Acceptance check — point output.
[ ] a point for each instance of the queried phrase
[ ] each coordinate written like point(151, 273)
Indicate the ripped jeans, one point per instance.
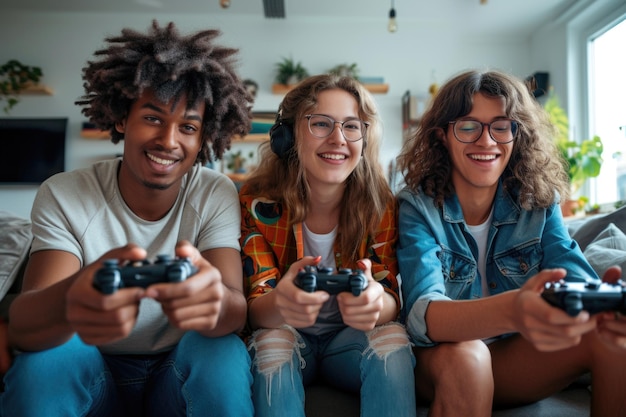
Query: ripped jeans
point(378, 364)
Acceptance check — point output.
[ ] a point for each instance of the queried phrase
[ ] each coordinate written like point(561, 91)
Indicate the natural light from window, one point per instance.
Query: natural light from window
point(607, 112)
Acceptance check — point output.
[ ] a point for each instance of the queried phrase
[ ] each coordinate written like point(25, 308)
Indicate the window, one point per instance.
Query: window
point(607, 112)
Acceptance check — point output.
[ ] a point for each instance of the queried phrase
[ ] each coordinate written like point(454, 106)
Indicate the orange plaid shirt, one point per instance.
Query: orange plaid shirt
point(268, 247)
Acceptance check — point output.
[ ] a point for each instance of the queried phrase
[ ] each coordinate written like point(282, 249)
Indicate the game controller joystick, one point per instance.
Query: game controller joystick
point(314, 279)
point(591, 296)
point(165, 268)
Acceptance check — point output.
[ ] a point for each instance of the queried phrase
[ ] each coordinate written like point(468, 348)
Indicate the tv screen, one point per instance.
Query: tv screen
point(32, 149)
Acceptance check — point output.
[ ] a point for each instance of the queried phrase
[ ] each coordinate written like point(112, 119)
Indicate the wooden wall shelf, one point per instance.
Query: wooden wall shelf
point(252, 137)
point(38, 89)
point(372, 88)
point(95, 134)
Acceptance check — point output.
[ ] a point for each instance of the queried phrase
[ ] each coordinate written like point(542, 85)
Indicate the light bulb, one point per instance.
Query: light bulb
point(392, 26)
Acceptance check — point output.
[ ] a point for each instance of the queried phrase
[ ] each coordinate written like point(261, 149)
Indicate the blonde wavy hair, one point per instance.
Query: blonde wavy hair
point(535, 171)
point(367, 193)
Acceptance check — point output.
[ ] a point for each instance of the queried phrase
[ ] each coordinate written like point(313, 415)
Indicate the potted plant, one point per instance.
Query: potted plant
point(346, 70)
point(583, 160)
point(14, 78)
point(236, 161)
point(289, 72)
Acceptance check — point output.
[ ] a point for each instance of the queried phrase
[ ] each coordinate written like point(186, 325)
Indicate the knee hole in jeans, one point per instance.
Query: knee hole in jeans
point(388, 338)
point(273, 348)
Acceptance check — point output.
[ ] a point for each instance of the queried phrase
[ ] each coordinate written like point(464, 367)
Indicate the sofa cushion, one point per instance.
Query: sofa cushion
point(585, 230)
point(607, 249)
point(15, 240)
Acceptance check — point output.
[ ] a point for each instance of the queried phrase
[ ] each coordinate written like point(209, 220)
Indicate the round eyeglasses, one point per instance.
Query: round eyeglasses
point(322, 126)
point(469, 130)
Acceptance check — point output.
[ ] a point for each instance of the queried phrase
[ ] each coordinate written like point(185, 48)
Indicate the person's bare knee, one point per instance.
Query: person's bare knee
point(273, 348)
point(470, 358)
point(455, 376)
point(386, 339)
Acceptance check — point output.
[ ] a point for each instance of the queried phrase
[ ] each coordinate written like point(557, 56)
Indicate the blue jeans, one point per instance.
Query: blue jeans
point(377, 364)
point(201, 376)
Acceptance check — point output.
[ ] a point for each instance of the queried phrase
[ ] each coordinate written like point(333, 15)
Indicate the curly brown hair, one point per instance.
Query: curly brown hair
point(172, 66)
point(367, 193)
point(536, 168)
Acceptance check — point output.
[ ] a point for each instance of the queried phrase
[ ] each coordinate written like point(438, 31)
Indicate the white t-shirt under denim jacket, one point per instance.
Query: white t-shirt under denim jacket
point(82, 212)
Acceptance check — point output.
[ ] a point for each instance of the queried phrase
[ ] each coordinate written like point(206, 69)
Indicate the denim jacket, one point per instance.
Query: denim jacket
point(437, 255)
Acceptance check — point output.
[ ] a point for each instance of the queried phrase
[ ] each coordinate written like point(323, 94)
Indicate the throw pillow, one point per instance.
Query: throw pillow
point(15, 240)
point(607, 249)
point(590, 228)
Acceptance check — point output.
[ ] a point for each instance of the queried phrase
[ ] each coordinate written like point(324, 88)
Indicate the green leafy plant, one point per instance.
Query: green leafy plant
point(236, 161)
point(346, 70)
point(583, 159)
point(290, 72)
point(14, 78)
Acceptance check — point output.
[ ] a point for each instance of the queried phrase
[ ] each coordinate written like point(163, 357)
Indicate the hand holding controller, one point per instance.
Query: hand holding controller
point(313, 279)
point(591, 296)
point(165, 268)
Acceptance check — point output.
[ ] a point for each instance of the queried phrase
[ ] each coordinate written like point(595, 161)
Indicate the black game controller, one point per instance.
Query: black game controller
point(165, 268)
point(591, 296)
point(314, 278)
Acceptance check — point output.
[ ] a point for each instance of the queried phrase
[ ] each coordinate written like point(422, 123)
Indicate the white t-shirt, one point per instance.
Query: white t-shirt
point(480, 233)
point(329, 317)
point(82, 212)
point(316, 244)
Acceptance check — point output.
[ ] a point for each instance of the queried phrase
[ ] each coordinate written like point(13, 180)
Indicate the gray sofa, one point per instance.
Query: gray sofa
point(601, 237)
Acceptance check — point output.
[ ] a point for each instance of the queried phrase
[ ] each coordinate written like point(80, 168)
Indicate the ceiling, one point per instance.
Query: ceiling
point(519, 17)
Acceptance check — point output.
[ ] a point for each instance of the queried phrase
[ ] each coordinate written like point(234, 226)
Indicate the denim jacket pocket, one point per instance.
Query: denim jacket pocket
point(520, 263)
point(459, 272)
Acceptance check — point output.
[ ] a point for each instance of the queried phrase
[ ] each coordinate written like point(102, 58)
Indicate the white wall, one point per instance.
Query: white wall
point(61, 43)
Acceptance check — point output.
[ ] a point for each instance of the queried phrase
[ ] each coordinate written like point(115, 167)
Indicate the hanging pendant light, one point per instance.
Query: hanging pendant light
point(392, 26)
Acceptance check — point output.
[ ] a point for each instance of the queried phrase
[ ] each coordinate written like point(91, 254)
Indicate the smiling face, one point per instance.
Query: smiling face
point(329, 161)
point(476, 167)
point(161, 143)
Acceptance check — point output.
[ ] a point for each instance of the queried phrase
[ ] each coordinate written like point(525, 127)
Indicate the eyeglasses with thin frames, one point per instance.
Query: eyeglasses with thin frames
point(469, 130)
point(322, 127)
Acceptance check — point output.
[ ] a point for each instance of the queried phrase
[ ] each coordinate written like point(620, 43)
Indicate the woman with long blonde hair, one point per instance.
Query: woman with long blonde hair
point(319, 198)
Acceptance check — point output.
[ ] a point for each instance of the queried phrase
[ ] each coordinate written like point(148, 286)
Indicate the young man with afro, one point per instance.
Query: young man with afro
point(170, 349)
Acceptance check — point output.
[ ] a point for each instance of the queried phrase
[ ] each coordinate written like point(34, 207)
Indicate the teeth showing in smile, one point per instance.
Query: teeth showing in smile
point(332, 156)
point(159, 160)
point(483, 157)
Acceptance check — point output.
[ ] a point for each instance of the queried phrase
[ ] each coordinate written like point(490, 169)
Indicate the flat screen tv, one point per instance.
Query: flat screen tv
point(32, 149)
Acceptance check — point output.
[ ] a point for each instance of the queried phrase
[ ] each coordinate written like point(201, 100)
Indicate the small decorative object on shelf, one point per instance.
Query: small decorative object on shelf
point(17, 78)
point(90, 131)
point(251, 86)
point(236, 162)
point(346, 70)
point(289, 72)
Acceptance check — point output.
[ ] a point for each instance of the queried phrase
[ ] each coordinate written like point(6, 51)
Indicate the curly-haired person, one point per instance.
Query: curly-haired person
point(171, 348)
point(480, 234)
